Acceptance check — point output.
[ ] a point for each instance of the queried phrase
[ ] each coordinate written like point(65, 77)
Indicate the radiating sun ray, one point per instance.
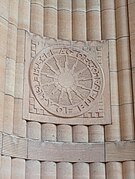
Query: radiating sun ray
point(84, 79)
point(81, 71)
point(66, 63)
point(52, 69)
point(57, 64)
point(77, 93)
point(74, 66)
point(60, 96)
point(83, 87)
point(47, 75)
point(54, 90)
point(48, 84)
point(69, 96)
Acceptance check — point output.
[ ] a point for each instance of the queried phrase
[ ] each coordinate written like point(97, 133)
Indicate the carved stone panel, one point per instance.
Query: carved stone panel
point(67, 82)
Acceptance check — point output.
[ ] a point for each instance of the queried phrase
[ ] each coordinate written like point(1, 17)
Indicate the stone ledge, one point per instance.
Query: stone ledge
point(120, 151)
point(11, 145)
point(69, 152)
point(14, 146)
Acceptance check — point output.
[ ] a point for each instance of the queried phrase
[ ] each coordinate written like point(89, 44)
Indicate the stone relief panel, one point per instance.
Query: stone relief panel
point(67, 82)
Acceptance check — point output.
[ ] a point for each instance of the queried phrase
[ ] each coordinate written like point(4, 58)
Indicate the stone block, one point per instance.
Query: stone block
point(79, 25)
point(20, 46)
point(112, 131)
point(19, 127)
point(32, 169)
point(128, 168)
point(1, 138)
point(121, 3)
point(105, 5)
point(37, 14)
point(81, 170)
point(24, 15)
point(122, 21)
point(19, 80)
point(14, 146)
point(127, 122)
point(51, 3)
point(96, 133)
point(4, 5)
point(2, 74)
point(64, 133)
point(39, 2)
point(5, 170)
point(64, 25)
point(80, 133)
point(1, 110)
point(132, 44)
point(18, 168)
point(3, 36)
point(97, 170)
point(131, 10)
point(120, 151)
point(93, 5)
point(93, 25)
point(108, 26)
point(125, 86)
point(34, 130)
point(131, 1)
point(79, 5)
point(65, 152)
point(112, 55)
point(48, 170)
point(48, 132)
point(64, 4)
point(10, 77)
point(35, 110)
point(114, 88)
point(123, 55)
point(114, 170)
point(13, 12)
point(64, 170)
point(8, 114)
point(11, 42)
point(50, 22)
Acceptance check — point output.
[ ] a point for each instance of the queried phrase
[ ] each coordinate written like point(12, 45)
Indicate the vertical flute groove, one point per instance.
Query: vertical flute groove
point(124, 73)
point(65, 19)
point(79, 20)
point(37, 17)
point(93, 20)
point(50, 18)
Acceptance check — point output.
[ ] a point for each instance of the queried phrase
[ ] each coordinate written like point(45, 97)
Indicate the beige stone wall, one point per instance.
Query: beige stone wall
point(34, 150)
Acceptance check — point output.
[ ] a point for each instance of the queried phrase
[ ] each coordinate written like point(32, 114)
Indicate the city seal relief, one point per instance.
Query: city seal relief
point(66, 81)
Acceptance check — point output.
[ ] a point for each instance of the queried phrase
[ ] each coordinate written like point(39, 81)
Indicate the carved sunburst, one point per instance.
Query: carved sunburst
point(67, 79)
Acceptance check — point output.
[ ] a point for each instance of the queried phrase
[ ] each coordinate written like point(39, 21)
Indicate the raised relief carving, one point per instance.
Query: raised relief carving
point(66, 81)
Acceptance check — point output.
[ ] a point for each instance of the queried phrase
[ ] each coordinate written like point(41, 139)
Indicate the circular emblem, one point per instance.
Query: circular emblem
point(66, 81)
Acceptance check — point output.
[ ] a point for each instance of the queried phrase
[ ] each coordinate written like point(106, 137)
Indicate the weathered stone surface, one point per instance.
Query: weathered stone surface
point(114, 170)
point(18, 168)
point(98, 140)
point(14, 146)
point(119, 151)
point(74, 96)
point(65, 152)
point(97, 170)
point(48, 170)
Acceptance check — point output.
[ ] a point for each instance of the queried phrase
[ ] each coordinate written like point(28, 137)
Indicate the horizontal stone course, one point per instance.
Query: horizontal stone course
point(13, 146)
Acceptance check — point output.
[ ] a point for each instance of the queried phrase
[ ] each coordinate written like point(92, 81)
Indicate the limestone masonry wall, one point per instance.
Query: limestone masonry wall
point(35, 144)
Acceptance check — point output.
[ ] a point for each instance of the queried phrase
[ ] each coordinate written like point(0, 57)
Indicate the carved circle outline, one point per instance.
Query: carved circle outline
point(58, 113)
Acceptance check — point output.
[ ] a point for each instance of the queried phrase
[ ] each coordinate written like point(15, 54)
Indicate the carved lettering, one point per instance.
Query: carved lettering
point(65, 81)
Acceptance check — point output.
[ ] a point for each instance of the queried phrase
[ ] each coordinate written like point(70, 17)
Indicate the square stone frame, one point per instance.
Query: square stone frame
point(33, 45)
